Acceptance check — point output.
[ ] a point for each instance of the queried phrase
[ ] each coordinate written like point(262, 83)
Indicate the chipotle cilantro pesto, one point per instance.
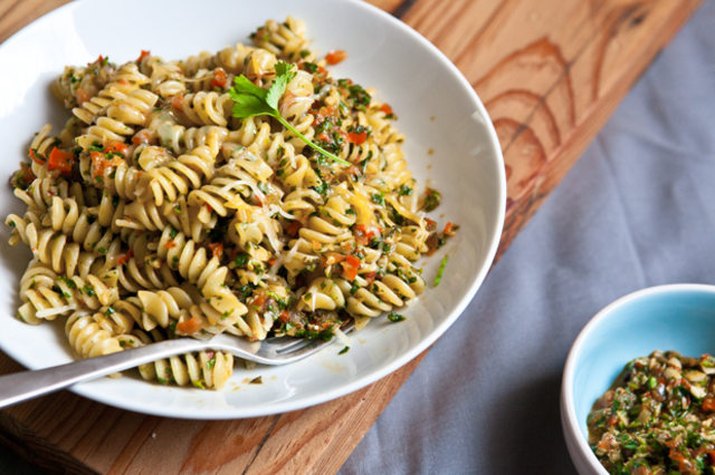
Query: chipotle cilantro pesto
point(658, 417)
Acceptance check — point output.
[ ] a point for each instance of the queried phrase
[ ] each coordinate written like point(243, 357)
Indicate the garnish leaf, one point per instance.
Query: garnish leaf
point(243, 85)
point(246, 106)
point(250, 100)
point(284, 74)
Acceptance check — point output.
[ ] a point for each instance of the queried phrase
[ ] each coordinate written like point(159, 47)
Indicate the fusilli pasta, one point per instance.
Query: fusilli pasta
point(158, 211)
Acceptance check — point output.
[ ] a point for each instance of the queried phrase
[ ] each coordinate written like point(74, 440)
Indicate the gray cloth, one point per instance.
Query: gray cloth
point(635, 211)
point(638, 209)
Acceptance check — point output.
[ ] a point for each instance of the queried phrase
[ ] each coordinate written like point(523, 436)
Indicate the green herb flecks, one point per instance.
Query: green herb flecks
point(251, 100)
point(395, 317)
point(440, 271)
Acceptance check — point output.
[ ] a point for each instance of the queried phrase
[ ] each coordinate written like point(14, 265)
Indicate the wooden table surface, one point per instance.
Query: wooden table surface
point(550, 72)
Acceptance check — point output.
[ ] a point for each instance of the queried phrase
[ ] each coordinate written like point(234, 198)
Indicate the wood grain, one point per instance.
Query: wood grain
point(550, 73)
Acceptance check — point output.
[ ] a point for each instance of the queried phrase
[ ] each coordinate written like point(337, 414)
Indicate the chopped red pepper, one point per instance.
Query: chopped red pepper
point(708, 404)
point(144, 136)
point(170, 244)
point(60, 160)
point(386, 109)
point(323, 113)
point(357, 138)
point(190, 326)
point(37, 158)
point(216, 249)
point(116, 147)
point(177, 102)
point(100, 163)
point(351, 264)
point(336, 57)
point(259, 301)
point(124, 258)
point(363, 236)
point(449, 228)
point(143, 55)
point(220, 78)
point(284, 316)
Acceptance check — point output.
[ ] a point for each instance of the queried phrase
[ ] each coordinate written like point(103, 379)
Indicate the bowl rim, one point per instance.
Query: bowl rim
point(569, 421)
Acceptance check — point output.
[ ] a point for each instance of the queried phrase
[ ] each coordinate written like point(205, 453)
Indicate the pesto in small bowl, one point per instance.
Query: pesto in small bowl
point(658, 417)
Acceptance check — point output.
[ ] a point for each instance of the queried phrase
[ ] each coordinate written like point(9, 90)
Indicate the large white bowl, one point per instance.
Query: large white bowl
point(437, 110)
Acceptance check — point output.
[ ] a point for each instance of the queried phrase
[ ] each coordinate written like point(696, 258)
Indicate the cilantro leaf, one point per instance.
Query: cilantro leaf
point(243, 85)
point(246, 106)
point(284, 74)
point(250, 100)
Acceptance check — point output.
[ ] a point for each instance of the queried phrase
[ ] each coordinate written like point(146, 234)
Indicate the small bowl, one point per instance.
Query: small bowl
point(678, 317)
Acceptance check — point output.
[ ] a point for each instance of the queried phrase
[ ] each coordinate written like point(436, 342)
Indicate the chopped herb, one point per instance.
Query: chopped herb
point(440, 271)
point(89, 290)
point(322, 189)
point(354, 287)
point(360, 97)
point(110, 311)
point(324, 335)
point(241, 260)
point(404, 190)
point(199, 384)
point(395, 317)
point(344, 350)
point(211, 363)
point(171, 329)
point(378, 198)
point(432, 199)
point(173, 233)
point(310, 67)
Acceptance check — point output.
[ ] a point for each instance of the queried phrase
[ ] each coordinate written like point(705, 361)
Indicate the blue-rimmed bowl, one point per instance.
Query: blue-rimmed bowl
point(677, 317)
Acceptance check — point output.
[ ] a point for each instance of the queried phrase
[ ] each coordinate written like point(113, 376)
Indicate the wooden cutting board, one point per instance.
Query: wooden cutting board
point(550, 73)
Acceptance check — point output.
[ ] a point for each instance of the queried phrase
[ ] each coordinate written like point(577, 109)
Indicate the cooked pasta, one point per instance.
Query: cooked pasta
point(163, 209)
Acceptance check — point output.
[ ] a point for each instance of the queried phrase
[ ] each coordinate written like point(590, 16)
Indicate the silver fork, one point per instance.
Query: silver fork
point(18, 387)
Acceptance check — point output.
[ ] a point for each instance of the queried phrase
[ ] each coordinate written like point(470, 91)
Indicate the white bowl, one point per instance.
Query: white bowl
point(437, 110)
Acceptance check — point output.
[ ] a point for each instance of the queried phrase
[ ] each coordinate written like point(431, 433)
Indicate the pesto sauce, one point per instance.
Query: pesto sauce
point(658, 417)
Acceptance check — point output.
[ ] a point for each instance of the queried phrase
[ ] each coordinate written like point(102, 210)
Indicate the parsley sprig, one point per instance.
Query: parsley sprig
point(251, 100)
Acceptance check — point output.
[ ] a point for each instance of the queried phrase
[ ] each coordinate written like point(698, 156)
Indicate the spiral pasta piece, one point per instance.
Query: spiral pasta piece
point(204, 108)
point(286, 40)
point(180, 176)
point(88, 337)
point(203, 370)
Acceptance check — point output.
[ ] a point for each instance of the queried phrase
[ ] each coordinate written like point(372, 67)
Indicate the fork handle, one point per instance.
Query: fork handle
point(18, 387)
